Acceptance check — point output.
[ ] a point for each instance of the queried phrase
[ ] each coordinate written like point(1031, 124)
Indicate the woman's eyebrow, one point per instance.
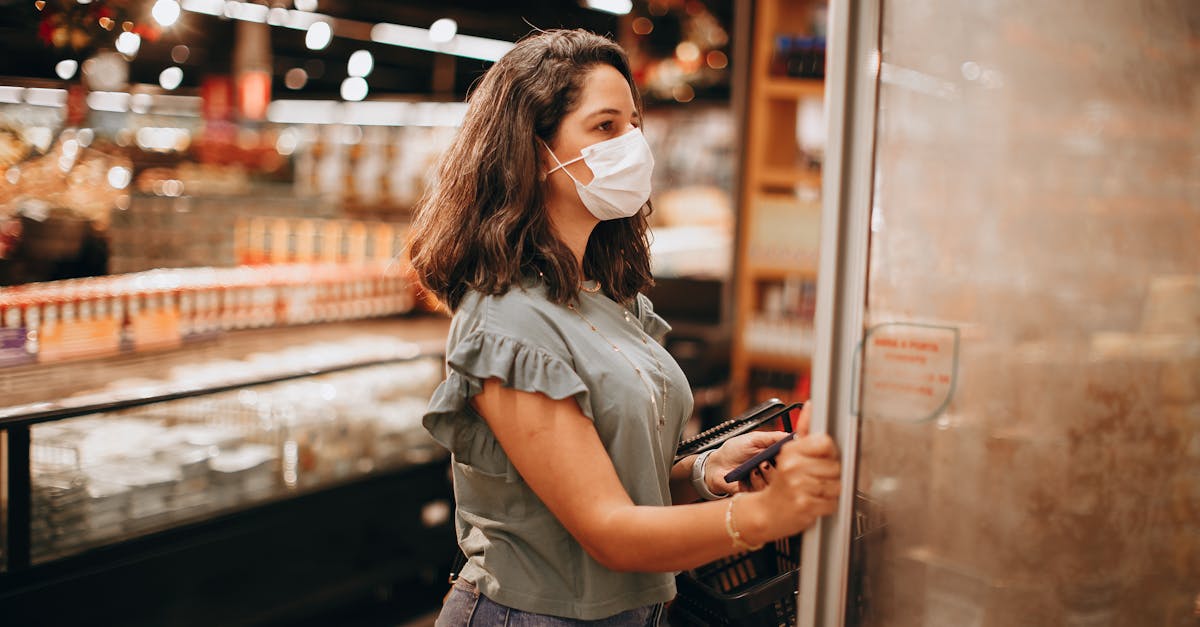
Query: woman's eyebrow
point(607, 111)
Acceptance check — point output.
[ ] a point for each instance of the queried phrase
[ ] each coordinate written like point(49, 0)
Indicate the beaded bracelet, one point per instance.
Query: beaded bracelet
point(731, 529)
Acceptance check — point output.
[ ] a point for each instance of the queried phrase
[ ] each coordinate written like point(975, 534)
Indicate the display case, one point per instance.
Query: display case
point(270, 474)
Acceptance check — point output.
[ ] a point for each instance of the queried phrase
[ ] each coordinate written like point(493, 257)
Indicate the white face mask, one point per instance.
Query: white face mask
point(621, 167)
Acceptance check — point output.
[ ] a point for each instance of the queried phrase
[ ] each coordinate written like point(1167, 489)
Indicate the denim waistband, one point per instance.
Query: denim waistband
point(466, 607)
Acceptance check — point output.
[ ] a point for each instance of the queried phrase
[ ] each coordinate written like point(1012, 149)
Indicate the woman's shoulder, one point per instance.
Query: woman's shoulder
point(655, 326)
point(523, 312)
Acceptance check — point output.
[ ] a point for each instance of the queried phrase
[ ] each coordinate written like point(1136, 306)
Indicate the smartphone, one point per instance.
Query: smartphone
point(766, 455)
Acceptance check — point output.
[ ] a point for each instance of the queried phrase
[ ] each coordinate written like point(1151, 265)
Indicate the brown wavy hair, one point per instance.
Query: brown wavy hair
point(484, 226)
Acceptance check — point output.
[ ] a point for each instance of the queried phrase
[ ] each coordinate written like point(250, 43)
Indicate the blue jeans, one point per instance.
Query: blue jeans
point(465, 607)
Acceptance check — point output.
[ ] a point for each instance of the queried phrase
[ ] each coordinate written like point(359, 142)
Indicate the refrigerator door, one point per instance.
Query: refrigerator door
point(1012, 361)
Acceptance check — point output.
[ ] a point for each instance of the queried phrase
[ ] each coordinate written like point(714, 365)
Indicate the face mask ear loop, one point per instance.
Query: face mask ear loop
point(561, 165)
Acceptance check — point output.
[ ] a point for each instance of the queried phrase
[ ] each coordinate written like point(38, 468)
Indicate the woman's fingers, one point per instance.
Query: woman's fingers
point(764, 439)
point(818, 445)
point(821, 468)
point(803, 419)
point(757, 479)
point(818, 476)
point(815, 457)
point(732, 453)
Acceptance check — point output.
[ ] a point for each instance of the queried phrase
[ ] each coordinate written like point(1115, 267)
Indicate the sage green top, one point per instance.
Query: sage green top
point(518, 554)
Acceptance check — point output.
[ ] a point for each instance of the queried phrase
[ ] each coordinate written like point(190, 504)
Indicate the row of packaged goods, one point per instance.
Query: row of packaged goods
point(783, 320)
point(110, 476)
point(196, 231)
point(374, 165)
point(93, 317)
point(185, 239)
point(798, 56)
point(282, 240)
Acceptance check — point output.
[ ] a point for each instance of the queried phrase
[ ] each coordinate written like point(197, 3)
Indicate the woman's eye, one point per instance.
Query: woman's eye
point(605, 125)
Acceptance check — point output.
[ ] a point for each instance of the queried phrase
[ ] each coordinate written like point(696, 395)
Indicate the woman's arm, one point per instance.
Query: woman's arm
point(681, 481)
point(558, 453)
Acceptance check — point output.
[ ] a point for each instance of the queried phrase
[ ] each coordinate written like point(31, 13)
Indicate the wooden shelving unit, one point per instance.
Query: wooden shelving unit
point(780, 87)
point(774, 169)
point(779, 362)
point(765, 272)
point(777, 176)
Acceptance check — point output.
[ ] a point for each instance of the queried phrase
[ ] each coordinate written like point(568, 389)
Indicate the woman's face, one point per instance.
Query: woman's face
point(605, 111)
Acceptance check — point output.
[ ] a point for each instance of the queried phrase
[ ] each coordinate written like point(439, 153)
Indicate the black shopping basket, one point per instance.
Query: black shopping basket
point(756, 588)
point(751, 589)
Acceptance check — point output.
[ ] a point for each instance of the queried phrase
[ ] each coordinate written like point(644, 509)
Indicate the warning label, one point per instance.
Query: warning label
point(908, 371)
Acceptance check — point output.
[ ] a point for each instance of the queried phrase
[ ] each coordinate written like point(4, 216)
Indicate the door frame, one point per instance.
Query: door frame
point(852, 79)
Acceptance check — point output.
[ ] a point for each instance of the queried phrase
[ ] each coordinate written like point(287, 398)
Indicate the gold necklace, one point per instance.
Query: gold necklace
point(589, 290)
point(660, 412)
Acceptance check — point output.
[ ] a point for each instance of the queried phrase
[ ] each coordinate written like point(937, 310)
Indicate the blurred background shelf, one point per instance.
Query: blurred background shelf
point(796, 88)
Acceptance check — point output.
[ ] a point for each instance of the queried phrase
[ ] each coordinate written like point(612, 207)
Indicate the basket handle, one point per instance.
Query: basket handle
point(744, 423)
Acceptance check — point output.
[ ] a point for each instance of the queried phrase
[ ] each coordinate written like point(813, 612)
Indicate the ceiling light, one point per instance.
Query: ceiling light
point(687, 52)
point(128, 44)
point(320, 29)
point(170, 78)
point(119, 177)
point(287, 142)
point(354, 88)
point(140, 102)
point(165, 12)
point(617, 7)
point(208, 7)
point(419, 39)
point(180, 53)
point(319, 36)
point(252, 12)
point(360, 64)
point(683, 93)
point(717, 60)
point(296, 78)
point(42, 97)
point(66, 68)
point(443, 30)
point(114, 101)
point(11, 95)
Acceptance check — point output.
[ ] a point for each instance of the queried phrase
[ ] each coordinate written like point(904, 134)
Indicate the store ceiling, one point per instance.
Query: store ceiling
point(397, 70)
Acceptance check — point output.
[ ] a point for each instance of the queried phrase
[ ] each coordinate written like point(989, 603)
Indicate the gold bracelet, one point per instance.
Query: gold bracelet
point(731, 529)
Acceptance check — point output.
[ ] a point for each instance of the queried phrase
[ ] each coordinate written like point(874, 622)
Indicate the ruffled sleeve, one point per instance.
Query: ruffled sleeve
point(654, 325)
point(479, 356)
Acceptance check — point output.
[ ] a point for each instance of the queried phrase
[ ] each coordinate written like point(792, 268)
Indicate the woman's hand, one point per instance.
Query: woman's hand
point(737, 450)
point(802, 486)
point(731, 455)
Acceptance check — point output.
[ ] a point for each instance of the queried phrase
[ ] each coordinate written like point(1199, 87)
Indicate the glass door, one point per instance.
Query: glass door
point(1009, 352)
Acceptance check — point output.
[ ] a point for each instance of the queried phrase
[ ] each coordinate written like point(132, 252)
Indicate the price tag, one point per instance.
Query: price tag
point(13, 350)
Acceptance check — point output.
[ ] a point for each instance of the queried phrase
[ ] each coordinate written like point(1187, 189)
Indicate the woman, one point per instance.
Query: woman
point(561, 408)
